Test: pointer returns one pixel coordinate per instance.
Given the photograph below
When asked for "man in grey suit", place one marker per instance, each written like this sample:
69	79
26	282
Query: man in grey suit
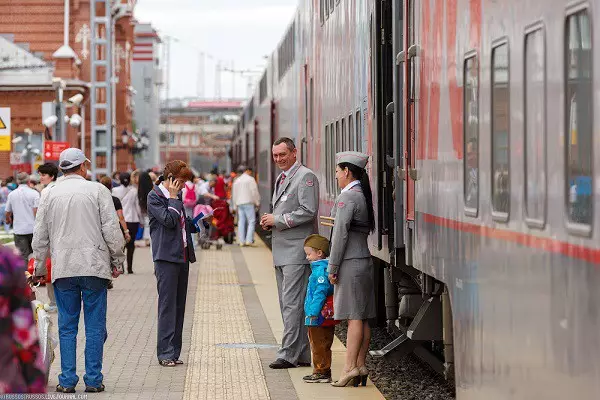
295	205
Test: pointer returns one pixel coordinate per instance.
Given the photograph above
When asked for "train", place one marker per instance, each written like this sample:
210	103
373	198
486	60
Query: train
478	118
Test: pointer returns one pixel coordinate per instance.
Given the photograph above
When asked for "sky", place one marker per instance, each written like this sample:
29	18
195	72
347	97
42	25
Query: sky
239	33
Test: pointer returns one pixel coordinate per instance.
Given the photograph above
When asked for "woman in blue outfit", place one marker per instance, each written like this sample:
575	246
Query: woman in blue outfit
172	251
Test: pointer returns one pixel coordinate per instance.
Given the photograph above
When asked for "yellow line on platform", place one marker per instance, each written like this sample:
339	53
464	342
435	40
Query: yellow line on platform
220	317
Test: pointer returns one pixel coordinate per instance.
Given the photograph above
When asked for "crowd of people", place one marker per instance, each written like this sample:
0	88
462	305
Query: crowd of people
88	231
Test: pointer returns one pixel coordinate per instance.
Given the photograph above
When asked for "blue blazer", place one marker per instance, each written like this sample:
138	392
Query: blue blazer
166	218
316	293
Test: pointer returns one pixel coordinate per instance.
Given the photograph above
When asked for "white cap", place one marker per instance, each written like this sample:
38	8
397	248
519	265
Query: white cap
352	157
71	157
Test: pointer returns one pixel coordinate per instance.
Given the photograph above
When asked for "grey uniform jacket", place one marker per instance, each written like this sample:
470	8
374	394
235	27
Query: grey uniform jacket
295	208
350	230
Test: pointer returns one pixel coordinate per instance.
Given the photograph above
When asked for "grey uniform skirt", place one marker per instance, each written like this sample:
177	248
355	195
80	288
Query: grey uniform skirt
354	294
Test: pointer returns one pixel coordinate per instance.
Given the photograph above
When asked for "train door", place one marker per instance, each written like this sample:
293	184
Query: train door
256	147
384	90
273	135
307	116
398	121
409	109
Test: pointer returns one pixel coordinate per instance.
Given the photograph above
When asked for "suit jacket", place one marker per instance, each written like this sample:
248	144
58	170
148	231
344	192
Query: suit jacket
295	207
167	217
350	229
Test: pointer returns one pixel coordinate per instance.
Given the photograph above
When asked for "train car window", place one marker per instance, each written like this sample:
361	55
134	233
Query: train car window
344	146
579	118
358	137
351	133
535	128
338	137
500	133
326	160
471	135
332	152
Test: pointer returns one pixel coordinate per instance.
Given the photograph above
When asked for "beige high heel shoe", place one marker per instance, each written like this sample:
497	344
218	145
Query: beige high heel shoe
364	375
351	376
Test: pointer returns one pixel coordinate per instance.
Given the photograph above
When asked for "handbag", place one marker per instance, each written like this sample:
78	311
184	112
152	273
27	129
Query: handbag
327	312
139	235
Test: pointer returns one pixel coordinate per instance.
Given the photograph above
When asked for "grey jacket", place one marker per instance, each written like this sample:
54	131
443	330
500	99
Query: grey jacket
350	229
78	223
295	211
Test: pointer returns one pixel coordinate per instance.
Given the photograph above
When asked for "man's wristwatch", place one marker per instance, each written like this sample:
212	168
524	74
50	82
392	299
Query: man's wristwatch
126	231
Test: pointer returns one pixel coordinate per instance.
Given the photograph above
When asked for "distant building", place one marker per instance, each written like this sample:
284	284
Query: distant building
199	132
26	89
41	41
146	79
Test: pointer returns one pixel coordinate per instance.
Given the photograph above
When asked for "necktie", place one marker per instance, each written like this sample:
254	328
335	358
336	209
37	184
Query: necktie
280	184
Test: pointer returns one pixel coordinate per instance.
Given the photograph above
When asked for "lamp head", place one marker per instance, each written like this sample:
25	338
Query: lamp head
50	121
76	100
75	120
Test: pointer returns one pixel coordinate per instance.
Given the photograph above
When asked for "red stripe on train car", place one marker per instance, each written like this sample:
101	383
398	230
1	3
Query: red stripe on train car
546	244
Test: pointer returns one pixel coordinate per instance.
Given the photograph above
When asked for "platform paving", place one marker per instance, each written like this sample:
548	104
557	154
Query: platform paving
231	334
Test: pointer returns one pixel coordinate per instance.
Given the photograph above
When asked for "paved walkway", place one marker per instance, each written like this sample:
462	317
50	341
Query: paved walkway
231	334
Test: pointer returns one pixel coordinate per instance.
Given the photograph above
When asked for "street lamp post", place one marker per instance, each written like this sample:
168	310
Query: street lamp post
59	130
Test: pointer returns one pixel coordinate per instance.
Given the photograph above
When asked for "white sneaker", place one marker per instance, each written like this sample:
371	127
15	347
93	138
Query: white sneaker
49	308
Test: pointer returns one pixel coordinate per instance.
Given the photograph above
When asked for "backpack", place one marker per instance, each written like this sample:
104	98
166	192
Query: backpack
189	200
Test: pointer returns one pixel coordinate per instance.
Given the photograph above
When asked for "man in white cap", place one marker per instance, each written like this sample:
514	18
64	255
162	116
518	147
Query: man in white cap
78	223
21	207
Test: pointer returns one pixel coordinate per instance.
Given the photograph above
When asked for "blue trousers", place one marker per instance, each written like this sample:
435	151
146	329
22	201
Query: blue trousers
70	292
172	284
246	223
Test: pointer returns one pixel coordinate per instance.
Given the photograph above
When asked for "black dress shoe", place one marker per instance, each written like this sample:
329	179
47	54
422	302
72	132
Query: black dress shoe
281	364
304	364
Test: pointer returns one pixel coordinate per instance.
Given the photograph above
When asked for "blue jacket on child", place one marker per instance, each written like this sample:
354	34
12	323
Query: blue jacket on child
318	289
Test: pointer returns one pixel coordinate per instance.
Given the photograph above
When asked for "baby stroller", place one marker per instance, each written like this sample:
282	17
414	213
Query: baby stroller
205	238
221	228
47	339
223	220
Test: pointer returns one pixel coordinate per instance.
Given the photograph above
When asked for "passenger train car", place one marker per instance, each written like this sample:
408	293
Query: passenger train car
478	116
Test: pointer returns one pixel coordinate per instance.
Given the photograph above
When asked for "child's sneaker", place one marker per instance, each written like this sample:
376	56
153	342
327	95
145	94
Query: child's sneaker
317	378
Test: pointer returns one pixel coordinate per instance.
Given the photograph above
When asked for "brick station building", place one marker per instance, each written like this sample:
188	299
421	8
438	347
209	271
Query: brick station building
39	43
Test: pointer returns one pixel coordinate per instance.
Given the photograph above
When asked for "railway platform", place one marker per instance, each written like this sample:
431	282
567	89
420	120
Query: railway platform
232	329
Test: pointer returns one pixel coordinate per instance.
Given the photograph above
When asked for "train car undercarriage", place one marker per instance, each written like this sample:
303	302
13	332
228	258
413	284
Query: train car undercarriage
418	315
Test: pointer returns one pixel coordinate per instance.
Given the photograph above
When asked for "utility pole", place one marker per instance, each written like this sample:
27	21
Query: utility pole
248	73
200	88
218	81
167	106
232	80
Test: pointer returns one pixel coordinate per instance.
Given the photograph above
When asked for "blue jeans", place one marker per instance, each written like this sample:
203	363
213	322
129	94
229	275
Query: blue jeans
69	293
246	216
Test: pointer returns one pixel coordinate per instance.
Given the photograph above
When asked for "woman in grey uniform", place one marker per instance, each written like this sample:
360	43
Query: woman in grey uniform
350	265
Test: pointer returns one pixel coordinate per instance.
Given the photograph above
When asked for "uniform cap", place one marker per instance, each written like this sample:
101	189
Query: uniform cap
352	157
71	157
317	242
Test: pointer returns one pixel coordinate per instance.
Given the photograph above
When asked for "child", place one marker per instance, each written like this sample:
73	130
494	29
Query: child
318	308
